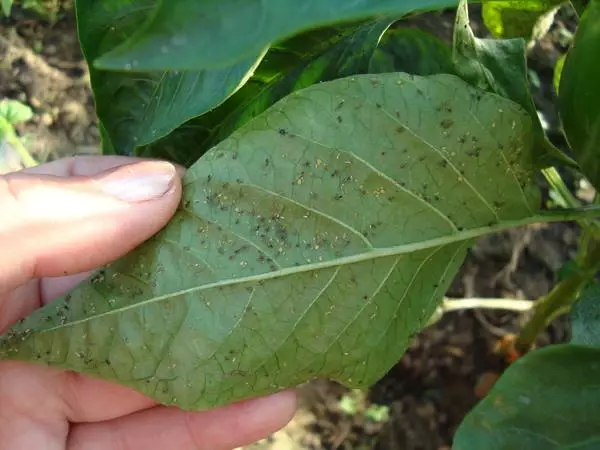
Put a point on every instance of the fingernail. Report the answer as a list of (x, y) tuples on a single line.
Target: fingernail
[(138, 182)]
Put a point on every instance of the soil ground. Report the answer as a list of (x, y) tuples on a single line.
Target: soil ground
[(426, 394)]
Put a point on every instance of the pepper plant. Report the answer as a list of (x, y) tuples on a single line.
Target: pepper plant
[(340, 165)]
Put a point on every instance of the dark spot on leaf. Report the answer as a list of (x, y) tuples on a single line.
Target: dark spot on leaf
[(339, 119), (400, 129), (282, 131), (378, 105), (447, 123)]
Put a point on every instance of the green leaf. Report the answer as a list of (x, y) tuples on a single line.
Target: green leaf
[(307, 59), (585, 317), (229, 30), (529, 19), (314, 241), (558, 68), (15, 112), (549, 399), (411, 50), (6, 7), (500, 66), (7, 131), (579, 96), (137, 108)]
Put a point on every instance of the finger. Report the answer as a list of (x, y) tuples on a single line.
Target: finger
[(53, 399), (57, 393), (49, 289), (87, 399), (87, 165), (60, 226), (160, 427), (53, 288), (18, 431)]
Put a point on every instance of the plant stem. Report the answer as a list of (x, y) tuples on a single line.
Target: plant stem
[(451, 304), (508, 304), (559, 300)]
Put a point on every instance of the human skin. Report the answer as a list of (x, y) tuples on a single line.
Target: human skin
[(58, 221)]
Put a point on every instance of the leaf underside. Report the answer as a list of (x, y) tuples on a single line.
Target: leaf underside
[(313, 242)]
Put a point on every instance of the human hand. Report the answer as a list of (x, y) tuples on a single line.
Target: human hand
[(58, 221)]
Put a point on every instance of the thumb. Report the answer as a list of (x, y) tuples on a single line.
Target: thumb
[(54, 226)]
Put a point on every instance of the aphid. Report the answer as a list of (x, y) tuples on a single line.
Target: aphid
[(446, 123)]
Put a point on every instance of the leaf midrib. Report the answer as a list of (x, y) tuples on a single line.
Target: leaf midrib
[(346, 260)]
